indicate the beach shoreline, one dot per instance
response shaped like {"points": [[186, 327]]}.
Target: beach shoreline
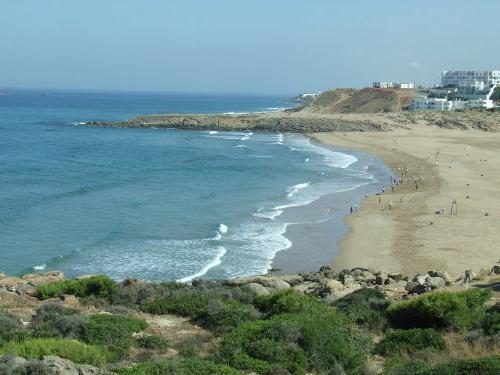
{"points": [[315, 229], [444, 165]]}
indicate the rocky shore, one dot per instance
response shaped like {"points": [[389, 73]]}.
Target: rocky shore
{"points": [[265, 122]]}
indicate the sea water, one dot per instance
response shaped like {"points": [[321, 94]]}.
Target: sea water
{"points": [[156, 204]]}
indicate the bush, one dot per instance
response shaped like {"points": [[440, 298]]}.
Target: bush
{"points": [[440, 310], [182, 367], [10, 329], [491, 321], [99, 286], [365, 307], [481, 366], [410, 341], [301, 334], [52, 320], [153, 342], [114, 330], [73, 350], [209, 312]]}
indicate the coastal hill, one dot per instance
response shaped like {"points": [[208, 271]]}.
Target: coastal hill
{"points": [[367, 100]]}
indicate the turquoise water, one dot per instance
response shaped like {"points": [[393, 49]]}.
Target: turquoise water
{"points": [[153, 204]]}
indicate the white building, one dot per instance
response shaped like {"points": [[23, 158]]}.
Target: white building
{"points": [[480, 80], [393, 85], [432, 104]]}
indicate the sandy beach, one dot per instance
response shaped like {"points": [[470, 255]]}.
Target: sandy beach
{"points": [[409, 236]]}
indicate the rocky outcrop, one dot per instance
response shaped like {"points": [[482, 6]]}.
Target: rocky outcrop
{"points": [[27, 284], [48, 365], [266, 122], [330, 285]]}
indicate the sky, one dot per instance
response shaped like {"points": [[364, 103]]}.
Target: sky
{"points": [[241, 46]]}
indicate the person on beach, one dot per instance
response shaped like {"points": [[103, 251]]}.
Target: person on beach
{"points": [[379, 199], [355, 207], [390, 205], [351, 210]]}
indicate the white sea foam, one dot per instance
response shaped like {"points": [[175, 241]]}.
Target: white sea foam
{"points": [[254, 244], [245, 138], [307, 160], [241, 146], [223, 228], [213, 263], [276, 109], [292, 190], [40, 267], [212, 132], [333, 159], [268, 214]]}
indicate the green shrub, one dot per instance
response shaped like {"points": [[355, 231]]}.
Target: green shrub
{"points": [[10, 329], [73, 350], [481, 366], [53, 320], [214, 314], [185, 304], [440, 310], [410, 341], [114, 330], [99, 286], [181, 367], [153, 342], [491, 321], [317, 339], [365, 307]]}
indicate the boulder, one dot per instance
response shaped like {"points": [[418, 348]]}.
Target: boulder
{"points": [[332, 285], [63, 366], [442, 274], [418, 289], [396, 286], [495, 270], [348, 281], [421, 279], [435, 282], [275, 284], [307, 287], [258, 289]]}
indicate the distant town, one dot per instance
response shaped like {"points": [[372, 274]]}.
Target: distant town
{"points": [[458, 90]]}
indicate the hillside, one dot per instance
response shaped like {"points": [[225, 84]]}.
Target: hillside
{"points": [[352, 322], [366, 100]]}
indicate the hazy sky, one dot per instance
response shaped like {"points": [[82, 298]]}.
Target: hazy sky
{"points": [[245, 46]]}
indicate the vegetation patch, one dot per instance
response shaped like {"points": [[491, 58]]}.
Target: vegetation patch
{"points": [[211, 312], [410, 341], [365, 307], [153, 342], [180, 367], [491, 321], [99, 286], [114, 330], [440, 310], [70, 349]]}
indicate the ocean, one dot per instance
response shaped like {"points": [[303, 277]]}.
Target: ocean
{"points": [[157, 204]]}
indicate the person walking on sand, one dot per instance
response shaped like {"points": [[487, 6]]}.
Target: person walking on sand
{"points": [[390, 205], [351, 210], [379, 199]]}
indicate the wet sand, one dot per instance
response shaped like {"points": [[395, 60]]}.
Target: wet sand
{"points": [[410, 237]]}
